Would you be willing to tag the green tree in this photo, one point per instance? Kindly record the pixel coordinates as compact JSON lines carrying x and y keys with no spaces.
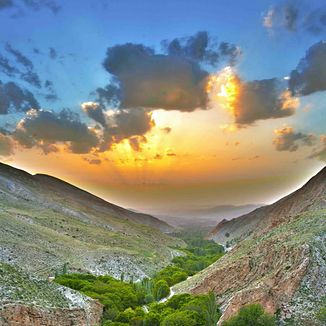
{"x":180,"y":318}
{"x":161,"y":290}
{"x":152,"y":319}
{"x":321,"y":315}
{"x":251,"y":315}
{"x":212,"y":312}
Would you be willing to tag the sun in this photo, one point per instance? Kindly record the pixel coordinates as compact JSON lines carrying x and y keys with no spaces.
{"x":224,"y":88}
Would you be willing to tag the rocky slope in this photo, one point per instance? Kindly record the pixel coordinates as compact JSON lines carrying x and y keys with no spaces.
{"x":309,"y":197}
{"x":46,"y":223}
{"x":278,"y":259}
{"x":26,"y":301}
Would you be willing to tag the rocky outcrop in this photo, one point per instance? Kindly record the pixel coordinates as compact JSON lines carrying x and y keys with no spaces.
{"x":15,"y":314}
{"x":279,"y":264}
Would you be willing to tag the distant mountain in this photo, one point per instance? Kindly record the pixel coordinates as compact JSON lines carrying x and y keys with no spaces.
{"x":203,"y":217}
{"x":278,"y":258}
{"x":46,"y":223}
{"x":309,"y":197}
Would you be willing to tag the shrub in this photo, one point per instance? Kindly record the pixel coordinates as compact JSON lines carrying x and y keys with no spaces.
{"x":251,"y":315}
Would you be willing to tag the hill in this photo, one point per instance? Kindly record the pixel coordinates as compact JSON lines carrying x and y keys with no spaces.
{"x":277,"y":259}
{"x":46,"y":223}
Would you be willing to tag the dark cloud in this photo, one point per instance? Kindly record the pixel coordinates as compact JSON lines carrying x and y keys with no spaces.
{"x":288,"y":140}
{"x":202,"y":48}
{"x":93,"y":161}
{"x":320,"y":151}
{"x":156,"y":81}
{"x":296,"y":16}
{"x":15,"y":99}
{"x":45,"y":128}
{"x":261,"y":100}
{"x":166,"y":130}
{"x":126,"y":124}
{"x":4,"y":4}
{"x":109,"y":96}
{"x":136,"y":142}
{"x":53,"y":53}
{"x":20,"y":57}
{"x":310,"y":74}
{"x":251,"y":101}
{"x":32,"y":78}
{"x":6,"y":145}
{"x":23,"y":68}
{"x":95,"y":112}
{"x":6,"y":67}
{"x":51,"y":95}
{"x":37,"y":5}
{"x":174,"y":80}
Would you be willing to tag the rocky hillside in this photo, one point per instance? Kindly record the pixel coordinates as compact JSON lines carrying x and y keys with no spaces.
{"x":278,"y":259}
{"x":46,"y":224}
{"x":311,"y":196}
{"x":27,"y":301}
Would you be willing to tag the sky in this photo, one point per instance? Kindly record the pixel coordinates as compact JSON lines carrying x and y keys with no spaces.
{"x":156,"y":104}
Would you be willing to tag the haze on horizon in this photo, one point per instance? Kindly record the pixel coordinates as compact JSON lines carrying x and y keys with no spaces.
{"x":162,"y":106}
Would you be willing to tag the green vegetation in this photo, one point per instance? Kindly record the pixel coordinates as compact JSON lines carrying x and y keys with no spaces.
{"x":321,"y":315}
{"x":18,"y":286}
{"x":124,"y":301}
{"x":199,"y":254}
{"x":251,"y":315}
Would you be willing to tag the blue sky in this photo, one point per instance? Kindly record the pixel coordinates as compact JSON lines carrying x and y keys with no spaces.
{"x":82,"y":30}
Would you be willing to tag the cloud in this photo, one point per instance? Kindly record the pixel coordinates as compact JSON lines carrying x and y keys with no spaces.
{"x":131,"y":124}
{"x":23,"y":67}
{"x":15,"y":99}
{"x":136,"y":142}
{"x":6,"y":67}
{"x":120,"y":124}
{"x":44,"y":128}
{"x":156,"y":81}
{"x":5,"y":4}
{"x":20,"y":57}
{"x":6,"y":145}
{"x":202,"y":48}
{"x":310,"y":74}
{"x":261,"y":100}
{"x":37,"y":5}
{"x":173,"y":80}
{"x":93,"y":161}
{"x":320,"y":151}
{"x":95,"y":112}
{"x":296,"y":16}
{"x":288,"y":140}
{"x":250,"y":101}
{"x":53,"y":53}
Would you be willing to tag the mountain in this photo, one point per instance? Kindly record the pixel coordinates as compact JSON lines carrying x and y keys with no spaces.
{"x":309,"y":197}
{"x":204,"y":218}
{"x":46,"y":223}
{"x":278,"y":258}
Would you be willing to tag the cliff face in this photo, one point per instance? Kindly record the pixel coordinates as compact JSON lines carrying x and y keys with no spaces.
{"x":280,"y":264}
{"x":24,"y":315}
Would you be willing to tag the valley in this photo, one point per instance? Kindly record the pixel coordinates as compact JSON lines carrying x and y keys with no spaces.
{"x":117,"y":267}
